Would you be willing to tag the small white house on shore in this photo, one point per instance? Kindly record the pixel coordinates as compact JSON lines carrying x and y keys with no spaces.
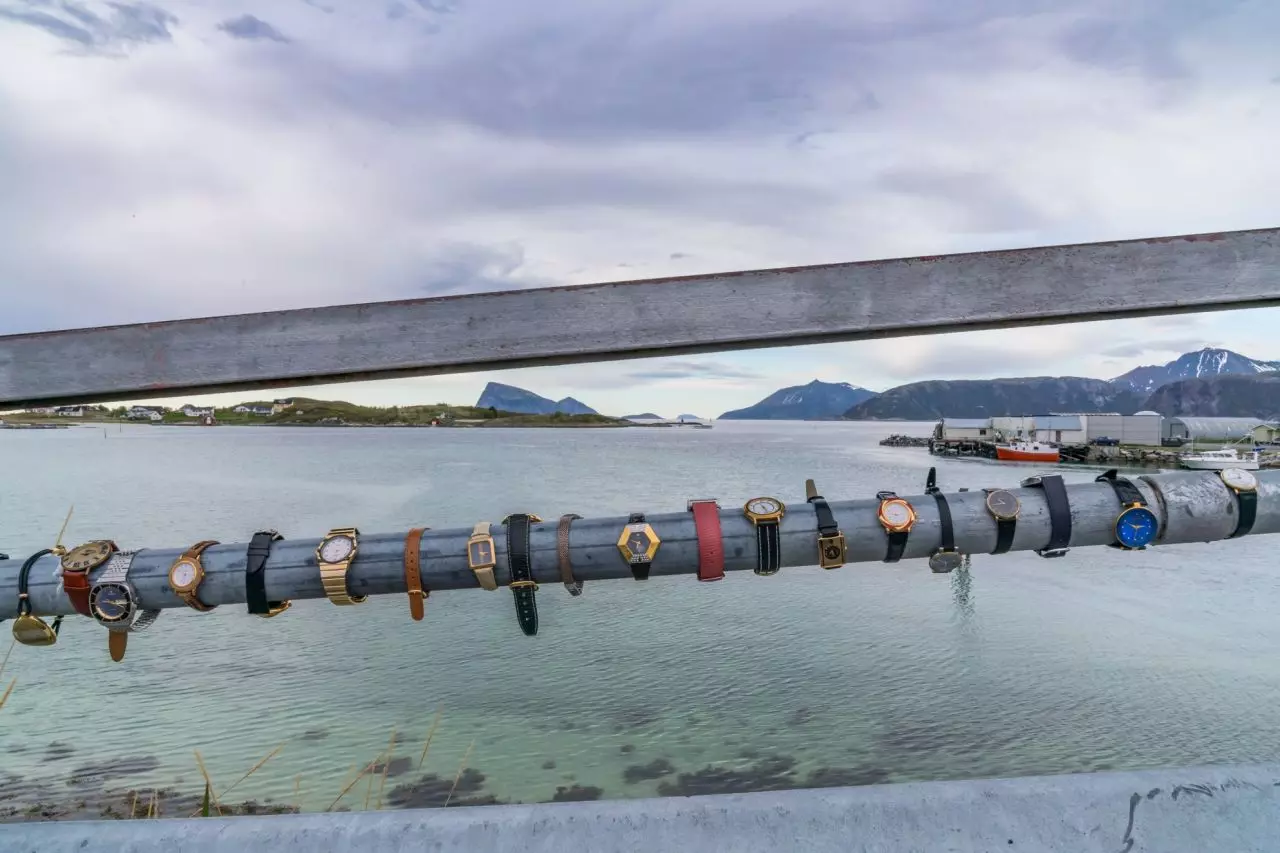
{"x":1060,"y":429}
{"x":971,"y":429}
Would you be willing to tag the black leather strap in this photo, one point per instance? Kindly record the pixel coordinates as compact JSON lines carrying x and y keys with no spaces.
{"x":826,"y":519}
{"x":768,"y":548}
{"x":639,"y":571}
{"x":944,"y":520}
{"x":1055,"y":494}
{"x":897,"y":544}
{"x":1005,"y":528}
{"x":255,"y":580}
{"x":931,"y":482}
{"x":521,"y":570}
{"x":1126,"y":491}
{"x":24,"y":579}
{"x":1248,"y":505}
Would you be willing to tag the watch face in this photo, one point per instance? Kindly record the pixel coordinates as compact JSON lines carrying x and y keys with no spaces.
{"x":87,"y":556}
{"x":480,"y":553}
{"x":764,"y":506}
{"x":337,"y":549}
{"x":832,"y":551}
{"x":640,"y":543}
{"x":943,"y":562}
{"x":1137,"y":527}
{"x":896,"y":513}
{"x":182,"y":575}
{"x":1238,"y":478}
{"x":1003,"y":505}
{"x":110,"y":602}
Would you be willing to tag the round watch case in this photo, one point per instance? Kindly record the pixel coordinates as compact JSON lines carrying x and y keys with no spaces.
{"x":1003,"y":505}
{"x":896,"y":515}
{"x":90,"y":555}
{"x":1136,"y":527}
{"x":763,"y":509}
{"x":1239,"y":479}
{"x":112,"y":611}
{"x":943,"y":562}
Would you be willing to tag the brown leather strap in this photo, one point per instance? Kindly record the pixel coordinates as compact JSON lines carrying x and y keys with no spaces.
{"x":76,"y":585}
{"x":562,"y":552}
{"x":413,"y":573}
{"x":194,"y":553}
{"x":117,"y":642}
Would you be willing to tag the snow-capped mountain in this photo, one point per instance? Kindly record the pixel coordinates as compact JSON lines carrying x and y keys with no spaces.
{"x":815,"y":401}
{"x":1204,"y":364}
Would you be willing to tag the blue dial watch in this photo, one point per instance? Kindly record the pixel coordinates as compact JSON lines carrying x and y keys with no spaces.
{"x":1136,"y":526}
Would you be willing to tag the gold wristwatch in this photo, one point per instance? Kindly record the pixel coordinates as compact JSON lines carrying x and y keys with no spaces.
{"x":482,"y":556}
{"x":187,"y":573}
{"x":335,"y":554}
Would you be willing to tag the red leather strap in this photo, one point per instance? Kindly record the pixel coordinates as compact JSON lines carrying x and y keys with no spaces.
{"x":76,"y":585}
{"x":706,"y":520}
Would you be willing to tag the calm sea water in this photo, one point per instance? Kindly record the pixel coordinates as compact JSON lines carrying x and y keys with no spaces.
{"x":872,"y":673}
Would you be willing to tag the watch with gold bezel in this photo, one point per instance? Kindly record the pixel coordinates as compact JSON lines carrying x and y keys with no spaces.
{"x":335,"y":554}
{"x":897,"y":517}
{"x":765,"y":515}
{"x":76,"y":565}
{"x":187,"y":573}
{"x":638,"y":544}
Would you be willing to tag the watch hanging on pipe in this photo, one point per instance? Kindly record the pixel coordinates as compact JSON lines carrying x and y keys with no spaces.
{"x":831,"y":543}
{"x":897,"y":517}
{"x":706,"y":524}
{"x":114,"y":603}
{"x":638,"y":545}
{"x":255,"y":580}
{"x":520,"y":566}
{"x":482,"y":556}
{"x":1055,"y":495}
{"x":187,"y":573}
{"x":76,"y":565}
{"x":413,"y":573}
{"x":564,"y":558}
{"x":335,"y":554}
{"x":765,"y":514}
{"x":946,"y":558}
{"x":1004,"y":507}
{"x":1136,"y":526}
{"x":1245,"y":487}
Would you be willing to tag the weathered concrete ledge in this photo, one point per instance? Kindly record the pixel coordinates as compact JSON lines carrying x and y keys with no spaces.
{"x":1235,"y":809}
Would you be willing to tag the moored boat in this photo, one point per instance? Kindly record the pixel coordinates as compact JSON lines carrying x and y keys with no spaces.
{"x":1027,"y":451}
{"x":1216,"y":460}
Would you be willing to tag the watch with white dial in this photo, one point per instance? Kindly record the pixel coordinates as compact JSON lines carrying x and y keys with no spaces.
{"x":765,"y":514}
{"x":114,"y":604}
{"x":336,"y":552}
{"x":1245,"y":487}
{"x":187,"y":573}
{"x":897,"y":517}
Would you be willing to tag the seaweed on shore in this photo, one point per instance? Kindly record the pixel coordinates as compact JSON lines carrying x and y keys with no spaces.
{"x":432,"y":791}
{"x":576,"y":793}
{"x":655,"y":769}
{"x":775,"y":773}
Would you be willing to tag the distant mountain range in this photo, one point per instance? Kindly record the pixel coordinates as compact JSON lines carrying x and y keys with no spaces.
{"x":647,"y":416}
{"x":1241,"y":396}
{"x":813,"y":402}
{"x":509,"y":398}
{"x":1203,"y":364}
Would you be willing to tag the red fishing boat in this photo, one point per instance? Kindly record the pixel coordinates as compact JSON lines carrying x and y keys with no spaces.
{"x":1026,"y":451}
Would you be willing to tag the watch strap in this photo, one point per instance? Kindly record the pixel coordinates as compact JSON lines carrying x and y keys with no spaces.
{"x":1005,"y":528}
{"x":24,"y":580}
{"x":706,"y":524}
{"x":1247,"y":504}
{"x":116,"y":569}
{"x":826,"y":519}
{"x":117,"y":643}
{"x":639,"y":571}
{"x":76,"y":585}
{"x":1055,"y":495}
{"x":484,"y":574}
{"x":897,"y":545}
{"x":519,"y":564}
{"x":563,"y":556}
{"x":1126,"y":491}
{"x":255,"y":582}
{"x":768,"y":548}
{"x":948,"y":531}
{"x":413,"y":573}
{"x":196,"y":555}
{"x":931,"y":482}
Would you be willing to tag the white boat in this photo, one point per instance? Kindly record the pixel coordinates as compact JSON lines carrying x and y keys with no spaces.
{"x":1216,"y":460}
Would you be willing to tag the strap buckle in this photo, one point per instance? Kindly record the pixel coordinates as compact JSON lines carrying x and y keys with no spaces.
{"x":1050,"y":553}
{"x":523,"y":585}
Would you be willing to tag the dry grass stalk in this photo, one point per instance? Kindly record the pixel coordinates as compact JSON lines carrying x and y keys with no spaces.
{"x":133,"y":807}
{"x":461,"y":766}
{"x":153,"y":811}
{"x":254,"y":769}
{"x":8,"y":690}
{"x":5,"y":662}
{"x":368,"y":767}
{"x":297,"y":792}
{"x":209,"y":782}
{"x":386,"y":765}
{"x":430,"y":735}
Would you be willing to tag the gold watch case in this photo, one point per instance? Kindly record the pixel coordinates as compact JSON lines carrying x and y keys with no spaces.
{"x":87,"y":557}
{"x":832,"y":551}
{"x":638,"y":542}
{"x":896,"y":527}
{"x":336,"y":569}
{"x":481,"y":552}
{"x":762,"y":510}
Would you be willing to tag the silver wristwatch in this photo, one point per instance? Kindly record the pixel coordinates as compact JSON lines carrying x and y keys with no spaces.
{"x":114,"y":602}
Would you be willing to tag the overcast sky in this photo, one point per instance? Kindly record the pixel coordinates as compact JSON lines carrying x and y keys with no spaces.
{"x":201,"y":158}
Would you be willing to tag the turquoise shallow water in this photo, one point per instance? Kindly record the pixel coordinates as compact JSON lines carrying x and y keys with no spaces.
{"x":871,"y":673}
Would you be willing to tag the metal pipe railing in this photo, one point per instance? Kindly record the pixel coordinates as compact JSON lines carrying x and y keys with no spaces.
{"x":1191,"y":506}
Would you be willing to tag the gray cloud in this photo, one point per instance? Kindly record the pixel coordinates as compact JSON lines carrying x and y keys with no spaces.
{"x":123,"y":24}
{"x":1139,"y":348}
{"x":251,"y":28}
{"x":674,"y":369}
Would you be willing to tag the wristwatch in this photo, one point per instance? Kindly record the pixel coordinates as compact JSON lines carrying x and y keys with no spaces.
{"x":1004,"y":507}
{"x":28,"y":629}
{"x":1245,"y":486}
{"x":76,"y":565}
{"x":706,"y":524}
{"x":187,"y":573}
{"x":638,"y":544}
{"x":1136,"y":526}
{"x":765,"y":514}
{"x":335,"y":553}
{"x":897,"y":517}
{"x":1055,"y":495}
{"x":563,"y":557}
{"x":520,"y":567}
{"x":482,"y":556}
{"x":831,"y":544}
{"x":255,"y":580}
{"x":114,"y":603}
{"x":413,"y":573}
{"x":947,"y":558}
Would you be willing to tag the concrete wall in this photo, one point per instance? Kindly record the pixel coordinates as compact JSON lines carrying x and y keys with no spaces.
{"x":1228,"y":809}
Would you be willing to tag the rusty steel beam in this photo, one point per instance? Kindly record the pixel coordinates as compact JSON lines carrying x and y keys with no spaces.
{"x":637,"y":319}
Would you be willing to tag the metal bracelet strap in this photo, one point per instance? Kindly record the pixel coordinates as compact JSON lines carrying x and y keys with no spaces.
{"x":117,"y":568}
{"x":572,"y":584}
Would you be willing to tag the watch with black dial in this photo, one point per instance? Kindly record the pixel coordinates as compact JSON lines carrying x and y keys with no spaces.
{"x":1055,"y":495}
{"x":1004,"y":508}
{"x":114,"y":603}
{"x":831,"y":543}
{"x":520,"y":566}
{"x":897,"y":517}
{"x":947,"y":558}
{"x":1245,"y":487}
{"x":638,"y":544}
{"x":255,"y":576}
{"x":482,"y":556}
{"x":765,"y":514}
{"x":1136,"y":526}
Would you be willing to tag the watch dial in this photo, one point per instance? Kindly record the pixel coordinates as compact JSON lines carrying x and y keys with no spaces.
{"x":110,"y":602}
{"x":896,"y":514}
{"x":86,"y":556}
{"x":832,"y":552}
{"x":1136,"y":527}
{"x":182,"y":575}
{"x":337,"y":549}
{"x":481,"y":553}
{"x":764,"y":506}
{"x":943,"y":562}
{"x":1003,"y":504}
{"x":1238,"y":478}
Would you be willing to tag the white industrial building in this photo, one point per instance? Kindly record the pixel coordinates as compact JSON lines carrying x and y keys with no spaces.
{"x":1066,"y":428}
{"x":972,"y":429}
{"x":1142,"y":429}
{"x":1224,"y":430}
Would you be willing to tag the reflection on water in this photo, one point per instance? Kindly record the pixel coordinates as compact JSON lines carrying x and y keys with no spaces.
{"x":875,"y":672}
